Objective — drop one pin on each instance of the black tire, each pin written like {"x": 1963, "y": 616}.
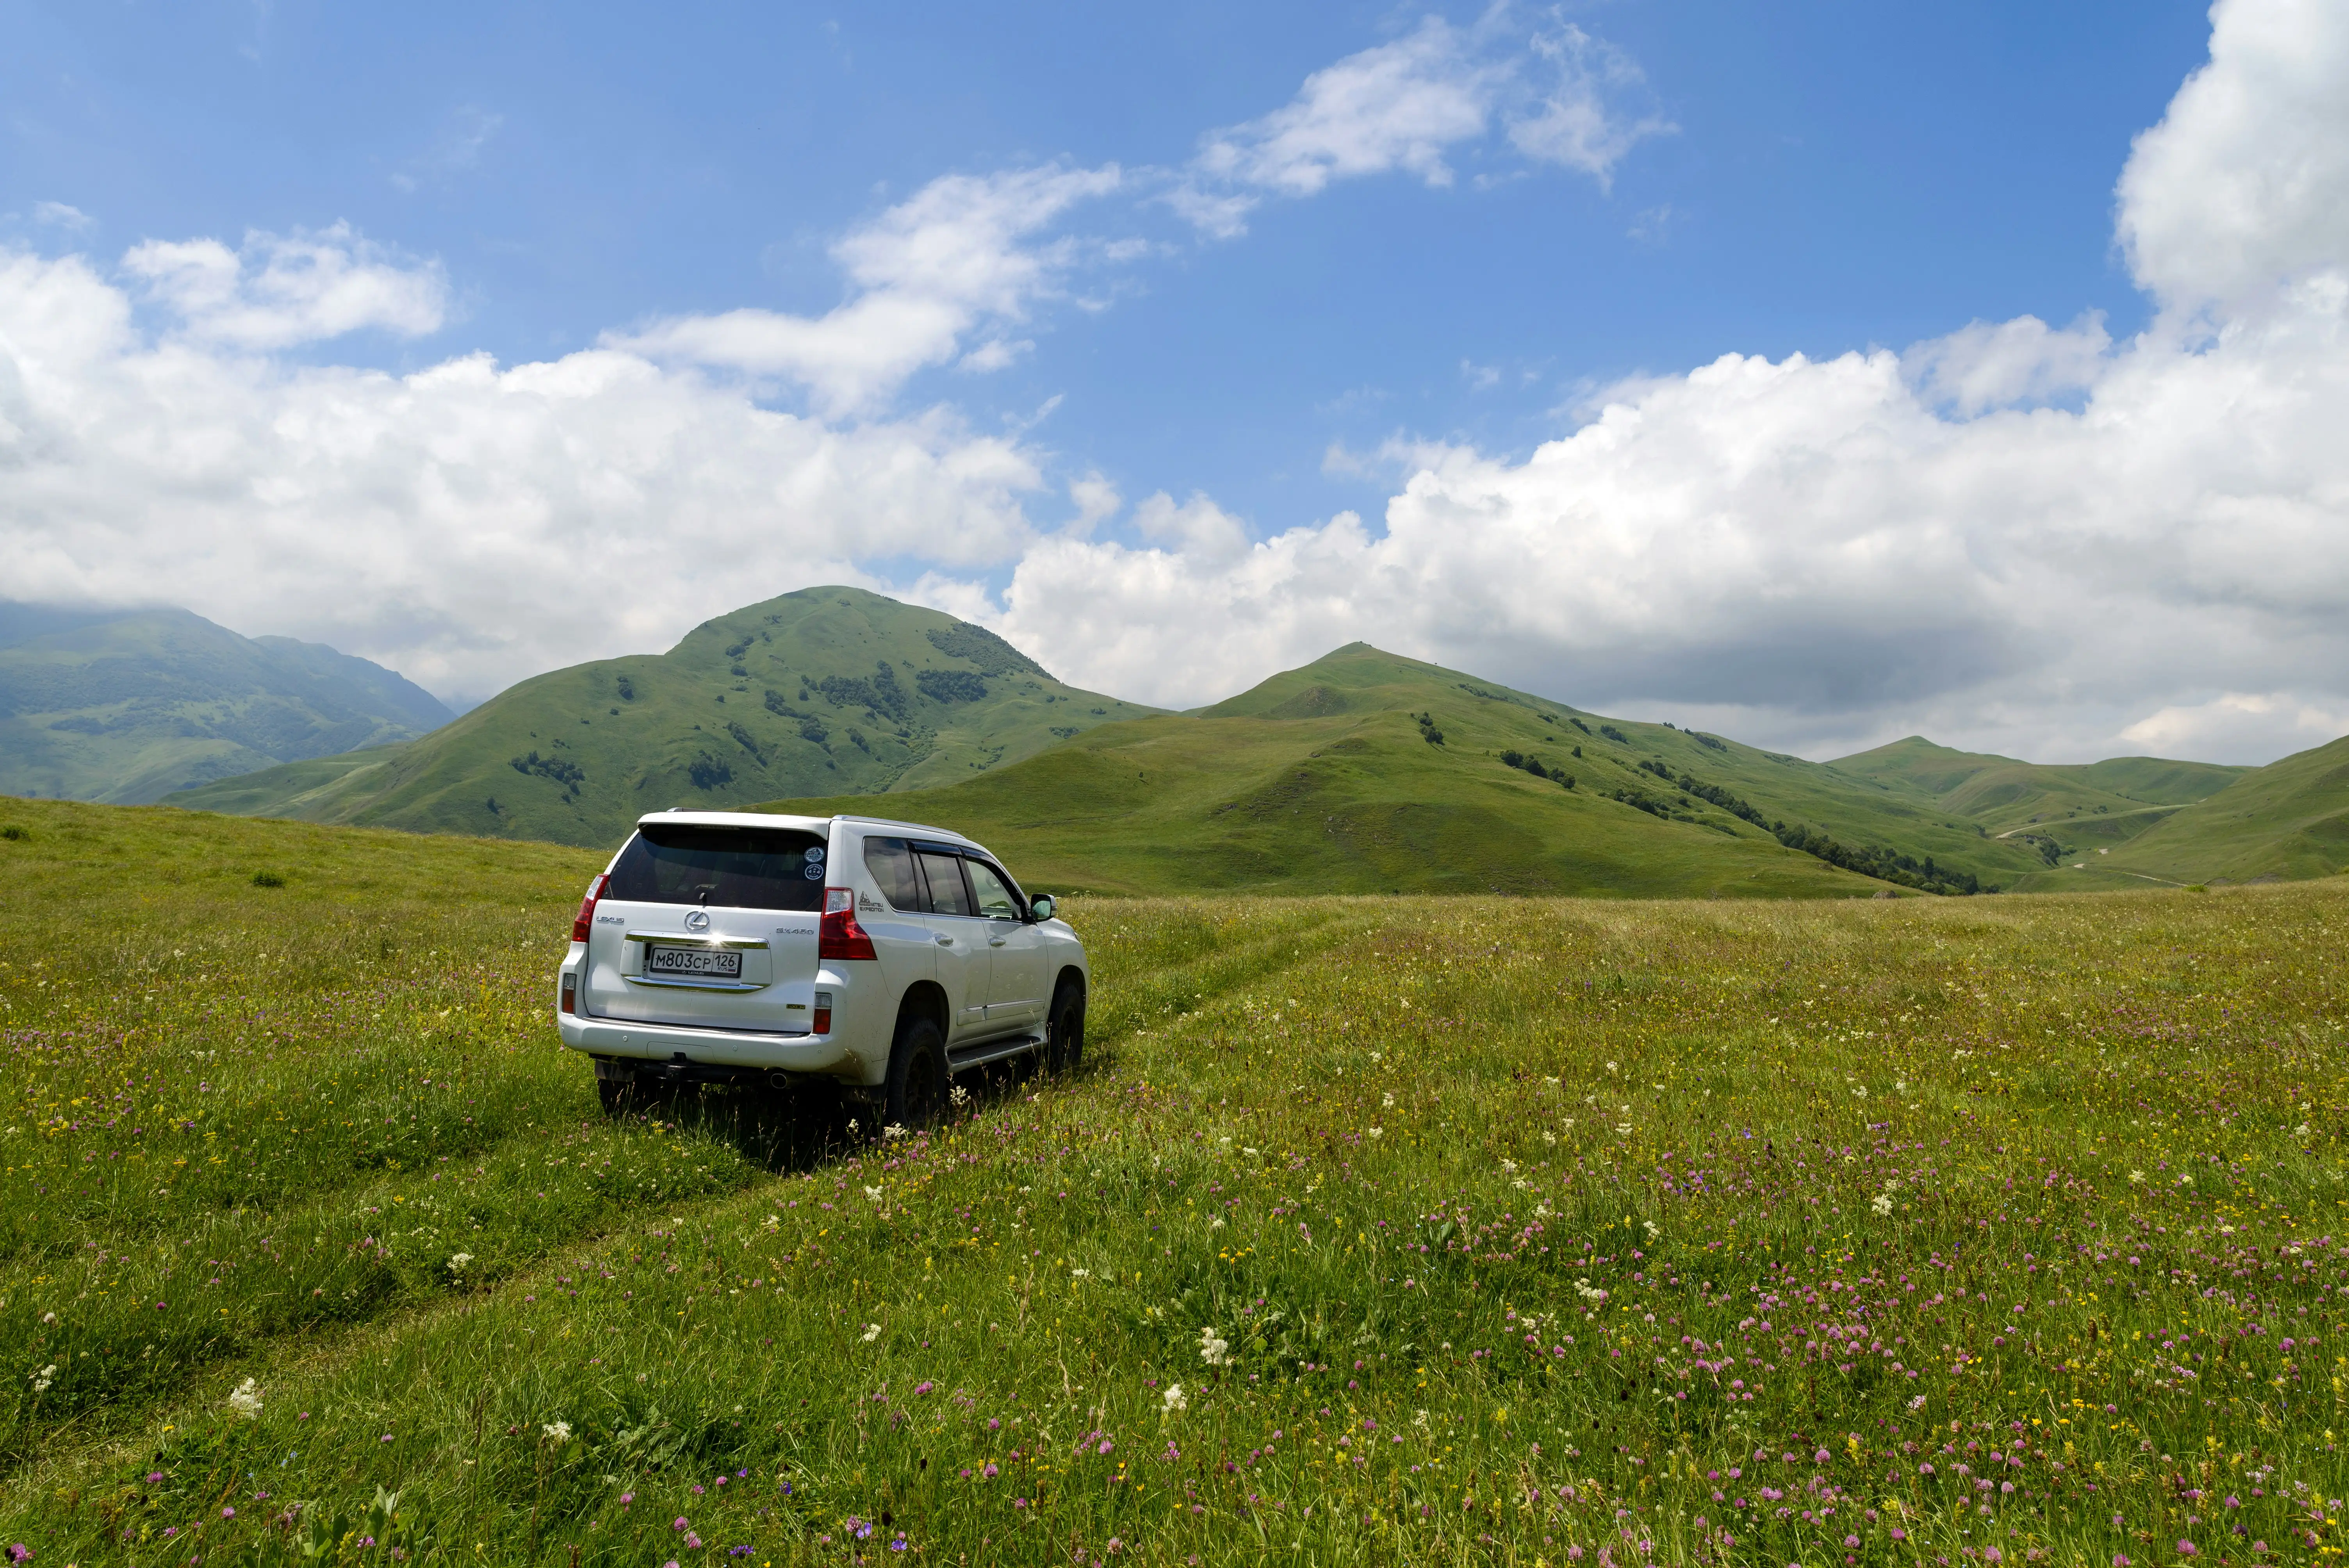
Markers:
{"x": 1064, "y": 1028}
{"x": 916, "y": 1094}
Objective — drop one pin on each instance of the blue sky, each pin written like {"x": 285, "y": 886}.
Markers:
{"x": 1135, "y": 332}
{"x": 1840, "y": 176}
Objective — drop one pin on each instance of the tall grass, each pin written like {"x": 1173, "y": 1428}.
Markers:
{"x": 1380, "y": 1230}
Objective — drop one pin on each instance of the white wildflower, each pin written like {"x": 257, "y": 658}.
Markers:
{"x": 1216, "y": 1224}
{"x": 246, "y": 1400}
{"x": 2137, "y": 1176}
{"x": 1246, "y": 1150}
{"x": 959, "y": 1096}
{"x": 771, "y": 1222}
{"x": 1386, "y": 1102}
{"x": 1860, "y": 1089}
{"x": 874, "y": 1194}
{"x": 1376, "y": 1133}
{"x": 895, "y": 1129}
{"x": 872, "y": 1331}
{"x": 1214, "y": 1348}
{"x": 1900, "y": 1086}
{"x": 1174, "y": 1400}
{"x": 1655, "y": 1235}
{"x": 41, "y": 1378}
{"x": 457, "y": 1261}
{"x": 1419, "y": 1419}
{"x": 1610, "y": 1067}
{"x": 1588, "y": 1291}
{"x": 1918, "y": 1403}
{"x": 1081, "y": 1274}
{"x": 1570, "y": 1124}
{"x": 2300, "y": 1131}
{"x": 556, "y": 1432}
{"x": 1623, "y": 1129}
{"x": 1549, "y": 1137}
{"x": 1881, "y": 1203}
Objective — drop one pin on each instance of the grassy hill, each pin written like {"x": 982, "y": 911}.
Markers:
{"x": 1367, "y": 1234}
{"x": 831, "y": 690}
{"x": 1331, "y": 778}
{"x": 2006, "y": 795}
{"x": 2286, "y": 822}
{"x": 130, "y": 706}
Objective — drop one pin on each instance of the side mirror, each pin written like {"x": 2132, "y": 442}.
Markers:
{"x": 1041, "y": 906}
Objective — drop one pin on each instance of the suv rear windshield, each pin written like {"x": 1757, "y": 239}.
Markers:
{"x": 728, "y": 868}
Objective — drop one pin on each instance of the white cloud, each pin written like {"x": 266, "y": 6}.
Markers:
{"x": 2238, "y": 194}
{"x": 1571, "y": 122}
{"x": 469, "y": 523}
{"x": 58, "y": 215}
{"x": 456, "y": 150}
{"x": 966, "y": 253}
{"x": 285, "y": 289}
{"x": 1992, "y": 365}
{"x": 2240, "y": 726}
{"x": 1398, "y": 106}
{"x": 1409, "y": 105}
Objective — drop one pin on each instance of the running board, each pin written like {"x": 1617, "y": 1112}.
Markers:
{"x": 980, "y": 1056}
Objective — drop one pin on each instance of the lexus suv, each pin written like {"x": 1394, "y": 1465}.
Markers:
{"x": 884, "y": 957}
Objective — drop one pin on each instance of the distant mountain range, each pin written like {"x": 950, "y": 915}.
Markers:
{"x": 1361, "y": 772}
{"x": 829, "y": 689}
{"x": 129, "y": 705}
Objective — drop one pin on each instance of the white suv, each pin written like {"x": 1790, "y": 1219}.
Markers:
{"x": 724, "y": 946}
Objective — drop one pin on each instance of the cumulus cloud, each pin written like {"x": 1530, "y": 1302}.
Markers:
{"x": 280, "y": 289}
{"x": 964, "y": 253}
{"x": 2016, "y": 535}
{"x": 469, "y": 523}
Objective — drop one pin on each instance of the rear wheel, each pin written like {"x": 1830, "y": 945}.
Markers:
{"x": 916, "y": 1089}
{"x": 1064, "y": 1028}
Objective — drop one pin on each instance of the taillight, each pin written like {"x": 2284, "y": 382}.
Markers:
{"x": 840, "y": 936}
{"x": 586, "y": 921}
{"x": 824, "y": 1012}
{"x": 571, "y": 993}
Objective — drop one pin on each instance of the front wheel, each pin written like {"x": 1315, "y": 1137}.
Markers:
{"x": 916, "y": 1091}
{"x": 1064, "y": 1028}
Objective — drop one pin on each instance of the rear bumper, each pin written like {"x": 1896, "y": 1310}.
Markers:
{"x": 626, "y": 1045}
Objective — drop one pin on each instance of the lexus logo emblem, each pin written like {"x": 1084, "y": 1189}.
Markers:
{"x": 698, "y": 920}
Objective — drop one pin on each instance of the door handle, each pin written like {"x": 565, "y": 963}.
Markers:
{"x": 995, "y": 942}
{"x": 943, "y": 940}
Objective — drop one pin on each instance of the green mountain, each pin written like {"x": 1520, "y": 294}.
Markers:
{"x": 127, "y": 706}
{"x": 1367, "y": 772}
{"x": 2285, "y": 821}
{"x": 828, "y": 689}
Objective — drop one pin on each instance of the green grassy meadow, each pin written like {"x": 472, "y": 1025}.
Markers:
{"x": 1380, "y": 1230}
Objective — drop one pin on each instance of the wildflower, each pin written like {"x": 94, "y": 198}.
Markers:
{"x": 1216, "y": 1224}
{"x": 1376, "y": 1133}
{"x": 895, "y": 1129}
{"x": 1655, "y": 1233}
{"x": 556, "y": 1432}
{"x": 1214, "y": 1348}
{"x": 42, "y": 1378}
{"x": 872, "y": 1331}
{"x": 1881, "y": 1203}
{"x": 2187, "y": 1549}
{"x": 874, "y": 1194}
{"x": 246, "y": 1400}
{"x": 2137, "y": 1176}
{"x": 1174, "y": 1400}
{"x": 457, "y": 1261}
{"x": 1081, "y": 1274}
{"x": 228, "y": 1513}
{"x": 1386, "y": 1101}
{"x": 1623, "y": 1130}
{"x": 1549, "y": 1137}
{"x": 20, "y": 1553}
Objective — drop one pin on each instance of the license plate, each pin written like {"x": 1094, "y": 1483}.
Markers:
{"x": 694, "y": 963}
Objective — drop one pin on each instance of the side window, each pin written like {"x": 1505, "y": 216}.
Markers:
{"x": 994, "y": 899}
{"x": 892, "y": 865}
{"x": 944, "y": 874}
